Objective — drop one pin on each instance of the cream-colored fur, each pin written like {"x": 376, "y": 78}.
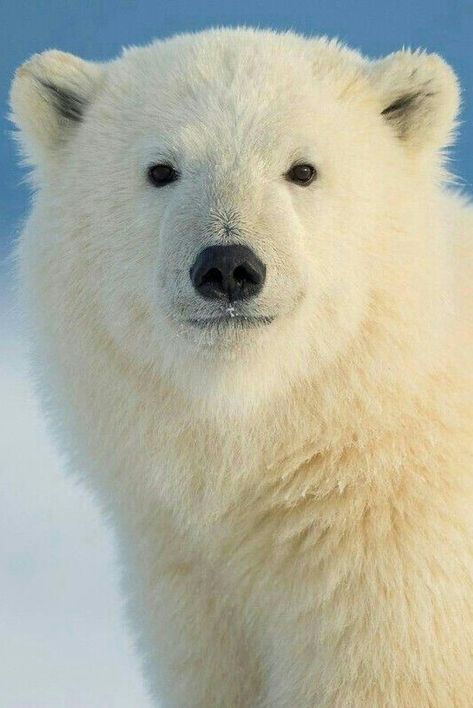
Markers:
{"x": 293, "y": 502}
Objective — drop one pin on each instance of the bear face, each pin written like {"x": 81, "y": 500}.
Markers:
{"x": 229, "y": 117}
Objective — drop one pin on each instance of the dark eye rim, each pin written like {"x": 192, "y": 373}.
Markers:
{"x": 289, "y": 175}
{"x": 174, "y": 174}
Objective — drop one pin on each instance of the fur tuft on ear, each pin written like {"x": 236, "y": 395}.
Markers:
{"x": 419, "y": 97}
{"x": 49, "y": 95}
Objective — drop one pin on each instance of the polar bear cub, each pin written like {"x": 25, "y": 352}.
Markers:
{"x": 250, "y": 296}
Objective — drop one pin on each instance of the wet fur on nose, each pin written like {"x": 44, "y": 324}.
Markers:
{"x": 232, "y": 272}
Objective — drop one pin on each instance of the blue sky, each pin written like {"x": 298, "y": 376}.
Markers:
{"x": 97, "y": 30}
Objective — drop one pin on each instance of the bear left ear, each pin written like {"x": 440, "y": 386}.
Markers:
{"x": 49, "y": 97}
{"x": 419, "y": 97}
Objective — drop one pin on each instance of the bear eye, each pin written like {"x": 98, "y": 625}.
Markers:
{"x": 302, "y": 174}
{"x": 162, "y": 174}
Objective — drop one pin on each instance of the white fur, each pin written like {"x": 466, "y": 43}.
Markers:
{"x": 293, "y": 502}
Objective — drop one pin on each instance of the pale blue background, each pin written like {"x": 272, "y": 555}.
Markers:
{"x": 63, "y": 643}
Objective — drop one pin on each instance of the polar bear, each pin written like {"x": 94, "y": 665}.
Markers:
{"x": 249, "y": 288}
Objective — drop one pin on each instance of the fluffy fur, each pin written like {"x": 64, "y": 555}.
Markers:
{"x": 293, "y": 502}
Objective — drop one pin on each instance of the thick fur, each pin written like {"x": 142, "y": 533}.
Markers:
{"x": 293, "y": 501}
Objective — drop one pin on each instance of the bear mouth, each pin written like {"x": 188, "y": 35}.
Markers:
{"x": 231, "y": 320}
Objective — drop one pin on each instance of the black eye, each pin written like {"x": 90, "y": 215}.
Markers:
{"x": 161, "y": 174}
{"x": 302, "y": 174}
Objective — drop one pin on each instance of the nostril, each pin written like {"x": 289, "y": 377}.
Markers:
{"x": 243, "y": 275}
{"x": 212, "y": 277}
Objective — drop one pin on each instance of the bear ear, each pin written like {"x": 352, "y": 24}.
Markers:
{"x": 419, "y": 97}
{"x": 49, "y": 96}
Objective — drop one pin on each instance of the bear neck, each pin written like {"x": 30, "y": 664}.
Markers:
{"x": 350, "y": 410}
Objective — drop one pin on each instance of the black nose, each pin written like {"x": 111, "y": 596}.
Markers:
{"x": 232, "y": 272}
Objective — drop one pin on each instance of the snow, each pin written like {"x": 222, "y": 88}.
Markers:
{"x": 63, "y": 642}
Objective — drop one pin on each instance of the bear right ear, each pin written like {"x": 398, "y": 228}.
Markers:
{"x": 49, "y": 96}
{"x": 419, "y": 98}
